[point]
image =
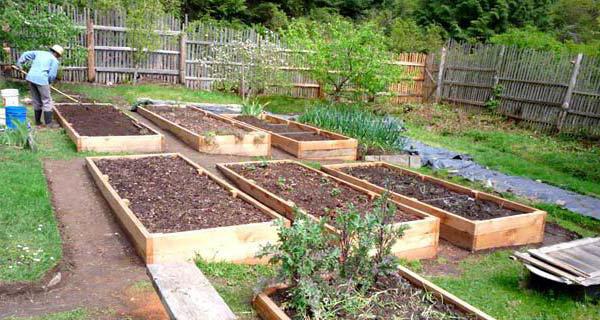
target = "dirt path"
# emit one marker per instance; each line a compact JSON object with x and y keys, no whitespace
{"x":100,"y":270}
{"x":100,"y":267}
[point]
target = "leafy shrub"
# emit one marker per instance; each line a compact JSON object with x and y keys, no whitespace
{"x":253,"y":108}
{"x":19,"y":137}
{"x":331,"y":273}
{"x":345,"y":56}
{"x":373,"y":131}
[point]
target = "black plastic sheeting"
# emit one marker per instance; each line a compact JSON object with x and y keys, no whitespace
{"x":463,"y":165}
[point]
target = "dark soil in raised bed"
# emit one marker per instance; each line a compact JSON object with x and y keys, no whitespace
{"x":396,"y":299}
{"x":318,"y":195}
{"x":100,"y":120}
{"x":290,"y":131}
{"x":431,"y":193}
{"x":197,"y":121}
{"x":307,"y":136}
{"x":168,"y":195}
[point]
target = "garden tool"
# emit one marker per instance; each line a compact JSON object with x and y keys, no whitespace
{"x":53,"y":88}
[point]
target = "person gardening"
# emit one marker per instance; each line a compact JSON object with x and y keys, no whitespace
{"x":43,"y":71}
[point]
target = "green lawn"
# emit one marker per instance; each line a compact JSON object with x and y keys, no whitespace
{"x":564,"y":162}
{"x":236,"y":284}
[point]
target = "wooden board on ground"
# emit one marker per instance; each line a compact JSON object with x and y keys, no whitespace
{"x":186,"y":293}
{"x":420,"y":240}
{"x":254,"y":143}
{"x":470,"y":234}
{"x":339,"y":147}
{"x":154,"y":142}
{"x":574,"y":262}
{"x":268,"y":309}
{"x":238,"y":243}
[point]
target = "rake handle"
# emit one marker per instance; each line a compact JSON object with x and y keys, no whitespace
{"x":51,"y":87}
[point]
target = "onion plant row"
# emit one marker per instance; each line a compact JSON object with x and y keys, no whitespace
{"x":372,"y":131}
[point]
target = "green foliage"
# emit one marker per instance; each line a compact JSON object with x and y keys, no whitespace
{"x":20,"y":137}
{"x":24,"y":26}
{"x":494,"y":102}
{"x":331,"y":273}
{"x":481,"y":19}
{"x":372,"y":131}
{"x":217,"y":9}
{"x":344,"y":55}
{"x":529,"y":37}
{"x":253,"y":108}
{"x":577,"y":20}
{"x":407,"y":36}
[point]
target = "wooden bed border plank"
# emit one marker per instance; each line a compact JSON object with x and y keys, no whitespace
{"x":474,"y":235}
{"x":420,"y":243}
{"x":240,"y":241}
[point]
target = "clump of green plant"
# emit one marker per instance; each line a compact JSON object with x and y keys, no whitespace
{"x":20,"y":137}
{"x":253,"y":108}
{"x":494,"y":102}
{"x":282,"y":183}
{"x":336,"y":192}
{"x":373,"y":131}
{"x":333,"y":274}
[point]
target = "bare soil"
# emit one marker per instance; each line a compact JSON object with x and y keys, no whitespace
{"x":169,"y":195}
{"x":197,"y":121}
{"x":307,"y":137}
{"x":100,"y":120}
{"x":394,"y":298}
{"x":431,"y":193}
{"x":319,"y":195}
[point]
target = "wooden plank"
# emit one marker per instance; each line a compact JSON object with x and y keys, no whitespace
{"x":254,"y":143}
{"x":528,"y":259}
{"x":187,"y":294}
{"x":237,"y":243}
{"x":135,"y":143}
{"x":474,"y":235}
{"x":419,"y":242}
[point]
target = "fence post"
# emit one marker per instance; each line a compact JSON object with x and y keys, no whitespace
{"x":567,"y":100}
{"x":182,"y":55}
{"x":91,"y":53}
{"x":440,"y":79}
{"x":498,"y":65}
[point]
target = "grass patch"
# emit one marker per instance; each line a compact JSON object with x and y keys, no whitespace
{"x":236,"y":284}
{"x":496,"y":284}
{"x":492,"y":141}
{"x":128,"y":93}
{"x":30,"y":242}
{"x":289,"y":105}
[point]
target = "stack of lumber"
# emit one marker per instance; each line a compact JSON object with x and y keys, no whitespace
{"x":574,"y":263}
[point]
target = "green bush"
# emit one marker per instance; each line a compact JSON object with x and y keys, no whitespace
{"x":372,"y":131}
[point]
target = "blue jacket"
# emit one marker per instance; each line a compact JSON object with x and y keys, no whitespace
{"x":44,"y":66}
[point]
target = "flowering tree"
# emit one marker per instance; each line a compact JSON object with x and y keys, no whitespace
{"x":344,"y":56}
{"x":246,"y":65}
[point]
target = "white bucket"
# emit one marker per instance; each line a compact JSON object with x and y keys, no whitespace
{"x":10,"y":97}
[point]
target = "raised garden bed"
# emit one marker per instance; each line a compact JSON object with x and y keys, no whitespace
{"x":410,"y":294}
{"x":102,"y":127}
{"x":208,"y":132}
{"x":303,"y":141}
{"x":173,"y":209}
{"x":283,"y":185}
{"x":470,"y":219}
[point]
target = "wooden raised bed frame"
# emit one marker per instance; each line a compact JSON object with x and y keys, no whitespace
{"x":254,"y":143}
{"x":138,"y":143}
{"x":339,"y":148}
{"x":267,"y":309}
{"x":237,"y":243}
{"x":420,"y":240}
{"x":473,"y":235}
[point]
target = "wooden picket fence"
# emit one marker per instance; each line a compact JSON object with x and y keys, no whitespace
{"x":185,"y":56}
{"x":550,"y":91}
{"x":546,"y":90}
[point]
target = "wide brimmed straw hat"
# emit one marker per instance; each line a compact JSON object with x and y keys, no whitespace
{"x":58,"y":49}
